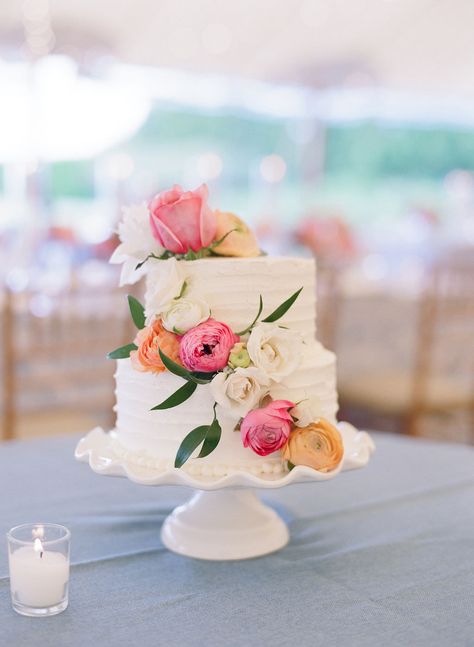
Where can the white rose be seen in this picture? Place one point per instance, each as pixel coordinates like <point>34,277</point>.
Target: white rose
<point>275,350</point>
<point>136,242</point>
<point>240,391</point>
<point>165,283</point>
<point>184,314</point>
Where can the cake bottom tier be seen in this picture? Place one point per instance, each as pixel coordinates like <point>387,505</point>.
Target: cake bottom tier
<point>152,438</point>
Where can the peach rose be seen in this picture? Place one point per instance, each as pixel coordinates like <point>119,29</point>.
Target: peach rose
<point>241,242</point>
<point>182,220</point>
<point>319,445</point>
<point>149,341</point>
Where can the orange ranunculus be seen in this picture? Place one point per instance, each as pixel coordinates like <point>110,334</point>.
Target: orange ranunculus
<point>319,445</point>
<point>241,242</point>
<point>149,341</point>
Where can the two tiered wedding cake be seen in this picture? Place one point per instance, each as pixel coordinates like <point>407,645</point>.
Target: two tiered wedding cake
<point>225,373</point>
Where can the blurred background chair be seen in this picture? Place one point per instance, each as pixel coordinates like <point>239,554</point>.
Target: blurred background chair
<point>332,242</point>
<point>328,301</point>
<point>55,375</point>
<point>441,380</point>
<point>340,148</point>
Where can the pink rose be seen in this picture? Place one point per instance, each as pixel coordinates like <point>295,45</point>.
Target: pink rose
<point>266,430</point>
<point>182,220</point>
<point>206,348</point>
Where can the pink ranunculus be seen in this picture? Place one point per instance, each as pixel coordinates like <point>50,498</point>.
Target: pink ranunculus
<point>182,220</point>
<point>206,348</point>
<point>266,430</point>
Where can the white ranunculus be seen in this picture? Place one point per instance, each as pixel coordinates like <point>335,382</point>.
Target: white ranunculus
<point>184,314</point>
<point>240,391</point>
<point>306,411</point>
<point>165,282</point>
<point>136,242</point>
<point>275,350</point>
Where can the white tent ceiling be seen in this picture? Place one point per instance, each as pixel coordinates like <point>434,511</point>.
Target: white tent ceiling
<point>399,44</point>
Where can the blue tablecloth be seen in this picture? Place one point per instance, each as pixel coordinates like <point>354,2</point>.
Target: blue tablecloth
<point>379,556</point>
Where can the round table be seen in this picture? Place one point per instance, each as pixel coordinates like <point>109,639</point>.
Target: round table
<point>378,556</point>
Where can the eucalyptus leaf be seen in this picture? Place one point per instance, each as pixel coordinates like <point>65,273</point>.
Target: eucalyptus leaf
<point>189,444</point>
<point>283,308</point>
<point>212,439</point>
<point>137,311</point>
<point>122,352</point>
<point>178,397</point>
<point>249,328</point>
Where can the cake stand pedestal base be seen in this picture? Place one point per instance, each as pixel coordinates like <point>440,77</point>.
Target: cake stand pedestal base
<point>224,524</point>
<point>225,519</point>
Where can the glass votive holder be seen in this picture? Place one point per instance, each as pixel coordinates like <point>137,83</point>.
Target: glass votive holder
<point>38,556</point>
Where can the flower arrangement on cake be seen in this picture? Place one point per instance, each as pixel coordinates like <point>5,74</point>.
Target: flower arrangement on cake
<point>245,369</point>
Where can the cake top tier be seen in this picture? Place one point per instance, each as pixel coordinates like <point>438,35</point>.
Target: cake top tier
<point>211,257</point>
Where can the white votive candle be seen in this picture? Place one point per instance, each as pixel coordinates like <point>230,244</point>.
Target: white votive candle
<point>39,568</point>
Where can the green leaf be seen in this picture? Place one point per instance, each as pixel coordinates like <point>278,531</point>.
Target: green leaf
<point>290,466</point>
<point>122,352</point>
<point>173,367</point>
<point>183,290</point>
<point>216,243</point>
<point>180,371</point>
<point>190,255</point>
<point>139,265</point>
<point>189,444</point>
<point>137,311</point>
<point>195,377</point>
<point>249,328</point>
<point>203,378</point>
<point>164,256</point>
<point>179,396</point>
<point>281,310</point>
<point>212,439</point>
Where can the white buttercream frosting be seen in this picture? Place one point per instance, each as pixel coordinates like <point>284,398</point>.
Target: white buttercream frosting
<point>159,433</point>
<point>231,287</point>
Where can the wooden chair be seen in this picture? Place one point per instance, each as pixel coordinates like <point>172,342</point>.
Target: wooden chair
<point>55,374</point>
<point>328,301</point>
<point>442,377</point>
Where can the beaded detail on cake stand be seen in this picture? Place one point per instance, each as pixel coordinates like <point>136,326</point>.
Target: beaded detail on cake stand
<point>224,519</point>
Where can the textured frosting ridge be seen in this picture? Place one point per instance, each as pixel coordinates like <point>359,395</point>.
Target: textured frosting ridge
<point>232,288</point>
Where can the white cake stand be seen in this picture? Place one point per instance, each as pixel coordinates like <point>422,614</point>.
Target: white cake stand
<point>224,519</point>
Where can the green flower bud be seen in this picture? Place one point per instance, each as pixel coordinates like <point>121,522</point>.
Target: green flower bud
<point>239,356</point>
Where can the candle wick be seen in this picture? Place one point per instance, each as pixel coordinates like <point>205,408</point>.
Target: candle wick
<point>41,555</point>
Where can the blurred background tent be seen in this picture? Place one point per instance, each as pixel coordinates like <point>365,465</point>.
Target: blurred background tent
<point>341,129</point>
